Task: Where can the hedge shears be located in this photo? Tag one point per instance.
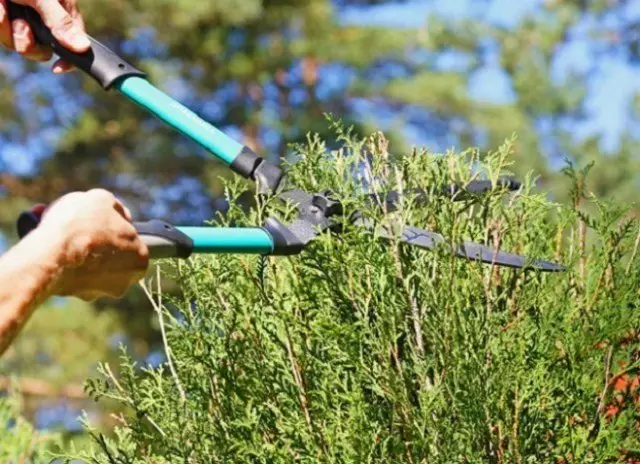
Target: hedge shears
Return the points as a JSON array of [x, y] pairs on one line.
[[316, 212]]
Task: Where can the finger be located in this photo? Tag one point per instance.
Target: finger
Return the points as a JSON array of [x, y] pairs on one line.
[[71, 6], [127, 213], [25, 42], [23, 39], [64, 27], [6, 36], [62, 67], [123, 210], [142, 261]]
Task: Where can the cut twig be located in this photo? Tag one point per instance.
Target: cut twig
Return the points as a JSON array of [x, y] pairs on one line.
[[302, 392], [635, 252], [596, 420], [157, 306]]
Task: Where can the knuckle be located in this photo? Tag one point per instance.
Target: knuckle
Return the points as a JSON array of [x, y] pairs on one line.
[[64, 23], [99, 192], [101, 195], [128, 233], [86, 244], [74, 195]]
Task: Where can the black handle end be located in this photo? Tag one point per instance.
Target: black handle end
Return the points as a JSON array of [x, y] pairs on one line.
[[251, 166]]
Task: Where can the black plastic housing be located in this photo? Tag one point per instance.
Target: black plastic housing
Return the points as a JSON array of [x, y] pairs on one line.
[[286, 243], [251, 166]]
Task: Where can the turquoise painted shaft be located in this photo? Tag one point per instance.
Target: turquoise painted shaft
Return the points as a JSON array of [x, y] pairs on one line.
[[181, 118], [229, 240]]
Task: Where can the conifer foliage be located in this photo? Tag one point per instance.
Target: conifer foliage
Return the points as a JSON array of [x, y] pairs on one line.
[[365, 350], [19, 442]]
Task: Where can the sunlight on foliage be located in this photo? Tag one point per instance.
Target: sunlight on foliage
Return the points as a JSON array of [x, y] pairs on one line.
[[19, 442], [364, 350]]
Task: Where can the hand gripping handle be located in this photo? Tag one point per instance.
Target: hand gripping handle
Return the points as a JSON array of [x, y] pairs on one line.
[[99, 62]]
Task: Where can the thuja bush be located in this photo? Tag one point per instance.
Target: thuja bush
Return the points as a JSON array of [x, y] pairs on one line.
[[366, 350], [19, 442]]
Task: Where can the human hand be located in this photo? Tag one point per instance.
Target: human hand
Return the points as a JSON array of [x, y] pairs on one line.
[[61, 16], [100, 253]]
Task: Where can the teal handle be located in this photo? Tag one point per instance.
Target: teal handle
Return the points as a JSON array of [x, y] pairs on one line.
[[229, 240], [180, 118]]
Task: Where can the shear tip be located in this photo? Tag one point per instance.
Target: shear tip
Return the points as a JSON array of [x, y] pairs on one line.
[[547, 266]]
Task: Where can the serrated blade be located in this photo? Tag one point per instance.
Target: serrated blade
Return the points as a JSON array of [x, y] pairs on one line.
[[469, 250], [477, 252], [453, 192]]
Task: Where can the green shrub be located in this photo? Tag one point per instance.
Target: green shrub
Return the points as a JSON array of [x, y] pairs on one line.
[[19, 442], [360, 350]]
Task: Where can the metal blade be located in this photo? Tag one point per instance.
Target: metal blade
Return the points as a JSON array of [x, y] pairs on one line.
[[453, 192], [479, 187], [469, 250], [304, 230], [475, 251], [297, 197]]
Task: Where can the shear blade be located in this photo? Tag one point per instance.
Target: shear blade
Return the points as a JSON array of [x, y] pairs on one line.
[[453, 192], [475, 251], [472, 251]]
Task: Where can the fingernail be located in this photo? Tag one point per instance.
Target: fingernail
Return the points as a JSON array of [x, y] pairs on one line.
[[20, 32], [19, 29], [58, 69]]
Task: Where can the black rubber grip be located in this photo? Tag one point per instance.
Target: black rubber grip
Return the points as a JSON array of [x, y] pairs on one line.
[[171, 244], [99, 62], [27, 222]]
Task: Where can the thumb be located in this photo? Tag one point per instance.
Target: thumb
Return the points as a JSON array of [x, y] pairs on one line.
[[68, 31]]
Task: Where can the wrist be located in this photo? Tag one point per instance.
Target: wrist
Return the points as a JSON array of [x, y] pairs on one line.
[[47, 248], [57, 256], [30, 272]]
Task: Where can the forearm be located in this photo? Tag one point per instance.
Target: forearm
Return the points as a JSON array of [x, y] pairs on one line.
[[29, 273]]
